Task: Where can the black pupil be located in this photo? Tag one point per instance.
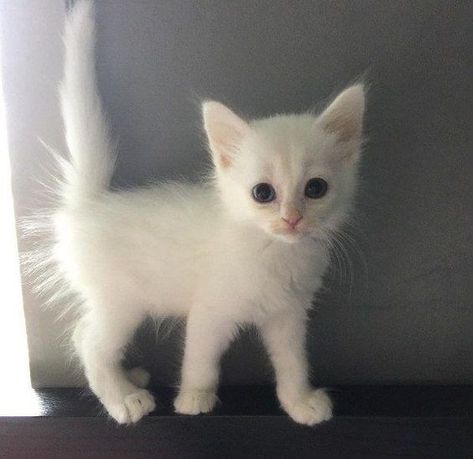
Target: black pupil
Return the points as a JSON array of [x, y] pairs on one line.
[[263, 192], [316, 188]]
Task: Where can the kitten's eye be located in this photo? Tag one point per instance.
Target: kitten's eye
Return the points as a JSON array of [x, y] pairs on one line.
[[263, 192], [316, 188]]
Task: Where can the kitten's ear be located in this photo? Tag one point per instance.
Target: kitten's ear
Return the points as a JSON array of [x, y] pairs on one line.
[[344, 116], [225, 132]]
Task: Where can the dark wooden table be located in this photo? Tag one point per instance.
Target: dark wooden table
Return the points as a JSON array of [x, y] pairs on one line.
[[370, 421]]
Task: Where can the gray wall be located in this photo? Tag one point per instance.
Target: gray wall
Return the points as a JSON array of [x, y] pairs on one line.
[[404, 311]]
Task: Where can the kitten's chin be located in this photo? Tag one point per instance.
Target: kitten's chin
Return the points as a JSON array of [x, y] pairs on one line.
[[290, 237]]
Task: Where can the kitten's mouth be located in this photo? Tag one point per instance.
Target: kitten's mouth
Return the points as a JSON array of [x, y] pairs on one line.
[[290, 235], [292, 229], [293, 232]]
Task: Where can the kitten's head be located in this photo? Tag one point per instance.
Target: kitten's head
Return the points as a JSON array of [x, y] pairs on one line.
[[291, 175]]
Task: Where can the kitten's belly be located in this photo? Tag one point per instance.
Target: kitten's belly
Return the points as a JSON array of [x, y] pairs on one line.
[[154, 271]]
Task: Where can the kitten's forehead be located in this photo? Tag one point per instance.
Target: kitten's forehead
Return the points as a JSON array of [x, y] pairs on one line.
[[285, 132], [286, 146]]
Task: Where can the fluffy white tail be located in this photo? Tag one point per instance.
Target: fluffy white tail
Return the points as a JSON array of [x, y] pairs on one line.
[[87, 132]]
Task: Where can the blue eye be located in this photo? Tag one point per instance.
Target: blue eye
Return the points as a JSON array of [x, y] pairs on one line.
[[263, 192], [316, 188]]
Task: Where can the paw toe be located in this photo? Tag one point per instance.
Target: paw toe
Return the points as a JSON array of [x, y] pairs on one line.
[[195, 402], [119, 412], [139, 404], [312, 409], [131, 408]]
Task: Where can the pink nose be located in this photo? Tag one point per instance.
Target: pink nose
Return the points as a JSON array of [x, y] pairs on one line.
[[293, 221]]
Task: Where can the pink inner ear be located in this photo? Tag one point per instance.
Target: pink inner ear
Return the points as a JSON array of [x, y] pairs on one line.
[[225, 161], [344, 127], [344, 116], [225, 132]]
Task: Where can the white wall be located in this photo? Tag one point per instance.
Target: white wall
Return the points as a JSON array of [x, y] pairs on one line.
[[32, 61]]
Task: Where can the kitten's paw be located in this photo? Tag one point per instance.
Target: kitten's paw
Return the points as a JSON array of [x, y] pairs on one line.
[[195, 402], [313, 408], [139, 377], [133, 407]]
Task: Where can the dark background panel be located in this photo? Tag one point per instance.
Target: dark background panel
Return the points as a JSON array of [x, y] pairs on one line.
[[401, 309]]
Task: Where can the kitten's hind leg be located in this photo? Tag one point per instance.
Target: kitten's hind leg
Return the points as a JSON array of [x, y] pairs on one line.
[[139, 376], [100, 341]]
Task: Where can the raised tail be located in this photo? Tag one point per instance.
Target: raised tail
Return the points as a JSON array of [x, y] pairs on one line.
[[92, 155]]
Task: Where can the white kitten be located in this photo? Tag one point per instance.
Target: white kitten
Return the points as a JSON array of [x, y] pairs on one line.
[[248, 247]]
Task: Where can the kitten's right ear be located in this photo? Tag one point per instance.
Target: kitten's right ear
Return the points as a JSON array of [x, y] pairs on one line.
[[225, 132]]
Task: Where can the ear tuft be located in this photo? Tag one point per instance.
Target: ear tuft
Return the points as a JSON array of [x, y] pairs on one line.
[[344, 116], [225, 132]]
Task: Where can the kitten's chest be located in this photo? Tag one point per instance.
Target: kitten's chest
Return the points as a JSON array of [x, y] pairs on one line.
[[292, 275], [260, 279]]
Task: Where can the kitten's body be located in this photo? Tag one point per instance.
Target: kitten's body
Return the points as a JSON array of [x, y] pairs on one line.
[[164, 248], [206, 252]]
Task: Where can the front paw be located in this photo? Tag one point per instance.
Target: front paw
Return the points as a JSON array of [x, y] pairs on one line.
[[311, 408], [130, 408], [195, 402]]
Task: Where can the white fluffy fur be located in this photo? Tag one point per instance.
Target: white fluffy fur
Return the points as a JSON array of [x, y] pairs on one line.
[[207, 252]]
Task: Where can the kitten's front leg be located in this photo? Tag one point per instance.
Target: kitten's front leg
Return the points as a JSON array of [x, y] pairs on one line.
[[284, 336], [207, 337]]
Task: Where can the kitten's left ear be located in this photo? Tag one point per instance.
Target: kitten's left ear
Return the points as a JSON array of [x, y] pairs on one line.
[[344, 116], [225, 132]]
